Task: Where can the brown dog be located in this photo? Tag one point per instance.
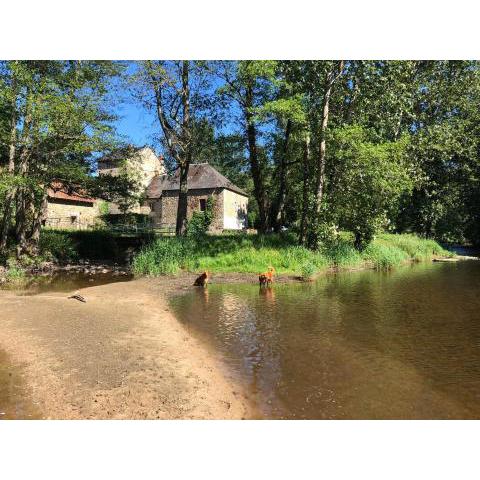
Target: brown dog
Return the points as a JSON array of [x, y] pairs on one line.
[[202, 280], [266, 278]]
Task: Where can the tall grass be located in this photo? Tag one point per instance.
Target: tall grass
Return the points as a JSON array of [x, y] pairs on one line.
[[255, 253]]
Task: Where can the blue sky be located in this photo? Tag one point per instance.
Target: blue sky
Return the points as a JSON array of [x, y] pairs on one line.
[[137, 125]]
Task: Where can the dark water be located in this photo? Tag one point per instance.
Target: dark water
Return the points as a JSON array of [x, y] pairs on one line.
[[363, 345], [64, 282]]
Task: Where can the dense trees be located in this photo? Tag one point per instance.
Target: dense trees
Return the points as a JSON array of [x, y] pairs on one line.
[[319, 145], [54, 116], [361, 145]]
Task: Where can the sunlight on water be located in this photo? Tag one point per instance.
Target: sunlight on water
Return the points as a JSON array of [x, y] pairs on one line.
[[402, 344]]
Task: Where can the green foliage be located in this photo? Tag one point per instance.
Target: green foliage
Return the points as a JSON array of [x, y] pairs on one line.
[[255, 253], [308, 270], [200, 222], [370, 179], [164, 256], [15, 274], [58, 246], [384, 256], [103, 208]]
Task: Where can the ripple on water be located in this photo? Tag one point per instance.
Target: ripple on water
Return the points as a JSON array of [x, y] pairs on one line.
[[401, 344]]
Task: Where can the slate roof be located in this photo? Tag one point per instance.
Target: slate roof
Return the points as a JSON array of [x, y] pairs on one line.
[[200, 176]]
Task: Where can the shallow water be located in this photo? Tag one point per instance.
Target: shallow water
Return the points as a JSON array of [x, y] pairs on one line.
[[63, 282], [361, 345]]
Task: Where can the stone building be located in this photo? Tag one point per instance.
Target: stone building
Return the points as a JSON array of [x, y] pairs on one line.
[[140, 162], [230, 201], [69, 209]]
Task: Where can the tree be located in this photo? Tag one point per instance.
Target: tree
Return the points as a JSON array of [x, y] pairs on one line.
[[58, 118], [249, 85], [178, 93], [368, 181]]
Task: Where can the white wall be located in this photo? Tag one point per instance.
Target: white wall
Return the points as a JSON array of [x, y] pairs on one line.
[[235, 209]]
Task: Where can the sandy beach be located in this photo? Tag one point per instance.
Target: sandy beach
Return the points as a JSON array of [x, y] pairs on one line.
[[120, 355]]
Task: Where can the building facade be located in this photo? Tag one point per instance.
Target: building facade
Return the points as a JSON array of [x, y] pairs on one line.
[[72, 209], [141, 163], [68, 209], [230, 203]]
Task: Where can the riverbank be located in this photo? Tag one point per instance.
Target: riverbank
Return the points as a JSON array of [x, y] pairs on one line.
[[120, 355], [251, 254]]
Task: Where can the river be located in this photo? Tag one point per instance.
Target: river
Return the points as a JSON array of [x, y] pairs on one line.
[[403, 344]]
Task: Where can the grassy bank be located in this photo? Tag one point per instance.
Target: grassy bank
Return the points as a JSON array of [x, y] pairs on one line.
[[255, 253]]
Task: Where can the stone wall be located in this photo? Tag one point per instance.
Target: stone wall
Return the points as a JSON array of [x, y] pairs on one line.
[[71, 214], [164, 210], [146, 164]]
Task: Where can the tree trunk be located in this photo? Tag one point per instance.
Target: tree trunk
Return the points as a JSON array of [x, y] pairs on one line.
[[21, 222], [256, 168], [181, 228], [184, 164], [279, 203], [24, 202], [7, 209], [330, 80], [306, 173], [39, 216]]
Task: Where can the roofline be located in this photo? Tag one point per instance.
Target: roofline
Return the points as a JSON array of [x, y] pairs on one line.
[[202, 188]]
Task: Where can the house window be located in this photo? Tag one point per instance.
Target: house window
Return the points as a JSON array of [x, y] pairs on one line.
[[203, 204]]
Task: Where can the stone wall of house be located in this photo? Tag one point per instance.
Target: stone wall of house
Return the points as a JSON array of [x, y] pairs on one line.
[[164, 210], [144, 163], [235, 207], [71, 214]]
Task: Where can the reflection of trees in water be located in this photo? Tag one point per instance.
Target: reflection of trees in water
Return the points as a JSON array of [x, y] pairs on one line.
[[244, 325], [367, 344]]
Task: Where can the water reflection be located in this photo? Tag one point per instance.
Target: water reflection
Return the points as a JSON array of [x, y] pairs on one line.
[[402, 344], [63, 282]]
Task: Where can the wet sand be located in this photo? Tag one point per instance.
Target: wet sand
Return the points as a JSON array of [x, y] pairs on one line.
[[120, 355]]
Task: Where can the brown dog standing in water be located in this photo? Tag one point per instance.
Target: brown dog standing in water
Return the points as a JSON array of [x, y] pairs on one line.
[[266, 278], [202, 280]]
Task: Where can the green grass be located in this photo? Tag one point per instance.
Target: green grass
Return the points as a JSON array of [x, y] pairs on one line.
[[242, 253]]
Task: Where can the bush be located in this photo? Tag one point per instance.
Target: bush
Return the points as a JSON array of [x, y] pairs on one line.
[[57, 246], [308, 270], [200, 222], [342, 253]]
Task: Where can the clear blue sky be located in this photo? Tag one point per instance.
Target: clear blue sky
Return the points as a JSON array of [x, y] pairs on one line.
[[137, 125]]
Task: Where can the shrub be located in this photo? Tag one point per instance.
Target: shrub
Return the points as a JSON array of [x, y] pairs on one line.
[[57, 246], [342, 253], [200, 222], [308, 270]]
